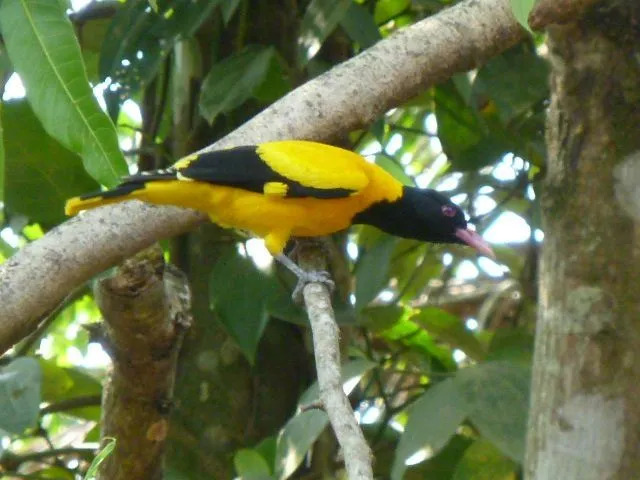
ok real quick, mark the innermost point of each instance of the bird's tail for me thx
(132, 187)
(96, 199)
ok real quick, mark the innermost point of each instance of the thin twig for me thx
(357, 454)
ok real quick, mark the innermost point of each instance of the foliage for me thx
(438, 342)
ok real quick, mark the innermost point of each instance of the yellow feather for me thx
(316, 164)
(275, 188)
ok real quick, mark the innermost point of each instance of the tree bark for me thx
(146, 310)
(585, 417)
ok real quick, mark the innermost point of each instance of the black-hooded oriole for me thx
(281, 189)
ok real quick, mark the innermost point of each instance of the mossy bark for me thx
(585, 416)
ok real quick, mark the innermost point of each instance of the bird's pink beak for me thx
(475, 240)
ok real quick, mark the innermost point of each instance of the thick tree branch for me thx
(326, 346)
(350, 95)
(146, 310)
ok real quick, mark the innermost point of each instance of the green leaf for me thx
(44, 51)
(250, 464)
(296, 439)
(276, 83)
(360, 26)
(92, 471)
(371, 270)
(55, 473)
(500, 395)
(320, 19)
(351, 372)
(19, 394)
(521, 10)
(234, 80)
(458, 126)
(449, 328)
(433, 420)
(381, 318)
(240, 295)
(43, 173)
(397, 326)
(470, 139)
(137, 28)
(514, 345)
(496, 79)
(395, 169)
(62, 383)
(387, 9)
(483, 461)
(267, 449)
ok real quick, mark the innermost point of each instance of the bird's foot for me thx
(305, 277)
(314, 276)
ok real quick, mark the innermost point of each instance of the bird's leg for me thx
(305, 277)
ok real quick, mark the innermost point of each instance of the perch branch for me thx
(326, 346)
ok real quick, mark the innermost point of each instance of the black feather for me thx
(242, 167)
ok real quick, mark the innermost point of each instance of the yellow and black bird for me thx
(281, 189)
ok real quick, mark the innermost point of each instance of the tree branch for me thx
(146, 311)
(326, 346)
(348, 96)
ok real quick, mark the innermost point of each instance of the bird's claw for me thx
(314, 276)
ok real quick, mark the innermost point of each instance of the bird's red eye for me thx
(449, 211)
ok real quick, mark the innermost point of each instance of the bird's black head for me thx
(426, 215)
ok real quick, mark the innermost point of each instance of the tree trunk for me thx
(585, 415)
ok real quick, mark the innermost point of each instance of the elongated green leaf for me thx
(371, 271)
(433, 420)
(19, 394)
(320, 19)
(45, 52)
(234, 80)
(43, 174)
(296, 439)
(521, 10)
(102, 455)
